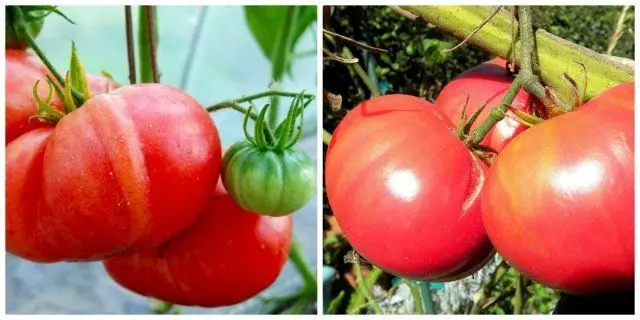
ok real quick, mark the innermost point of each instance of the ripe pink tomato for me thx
(405, 190)
(126, 171)
(487, 82)
(227, 256)
(558, 201)
(21, 73)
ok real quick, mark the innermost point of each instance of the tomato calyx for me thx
(75, 82)
(286, 135)
(44, 109)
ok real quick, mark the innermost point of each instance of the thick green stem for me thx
(310, 287)
(23, 33)
(365, 290)
(235, 104)
(556, 56)
(528, 62)
(496, 114)
(416, 295)
(147, 42)
(427, 298)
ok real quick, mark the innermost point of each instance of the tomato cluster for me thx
(556, 203)
(129, 177)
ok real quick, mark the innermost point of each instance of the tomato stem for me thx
(518, 302)
(235, 105)
(22, 30)
(556, 56)
(310, 285)
(147, 42)
(497, 113)
(365, 290)
(130, 47)
(525, 79)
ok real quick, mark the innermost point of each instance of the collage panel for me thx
(478, 160)
(161, 159)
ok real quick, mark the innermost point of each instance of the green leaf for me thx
(37, 13)
(267, 23)
(77, 75)
(358, 297)
(335, 303)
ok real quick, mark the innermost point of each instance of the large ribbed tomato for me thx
(126, 171)
(558, 201)
(21, 73)
(487, 82)
(405, 190)
(227, 256)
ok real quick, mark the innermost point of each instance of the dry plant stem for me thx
(193, 45)
(130, 47)
(495, 11)
(151, 27)
(615, 36)
(354, 42)
(365, 290)
(335, 57)
(404, 13)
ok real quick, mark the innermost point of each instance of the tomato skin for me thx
(487, 82)
(228, 255)
(558, 201)
(269, 182)
(126, 171)
(21, 73)
(405, 190)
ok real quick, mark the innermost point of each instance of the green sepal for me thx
(68, 102)
(463, 118)
(298, 136)
(474, 117)
(259, 136)
(58, 89)
(288, 124)
(527, 119)
(245, 121)
(78, 77)
(44, 110)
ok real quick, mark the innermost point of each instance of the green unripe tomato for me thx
(267, 181)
